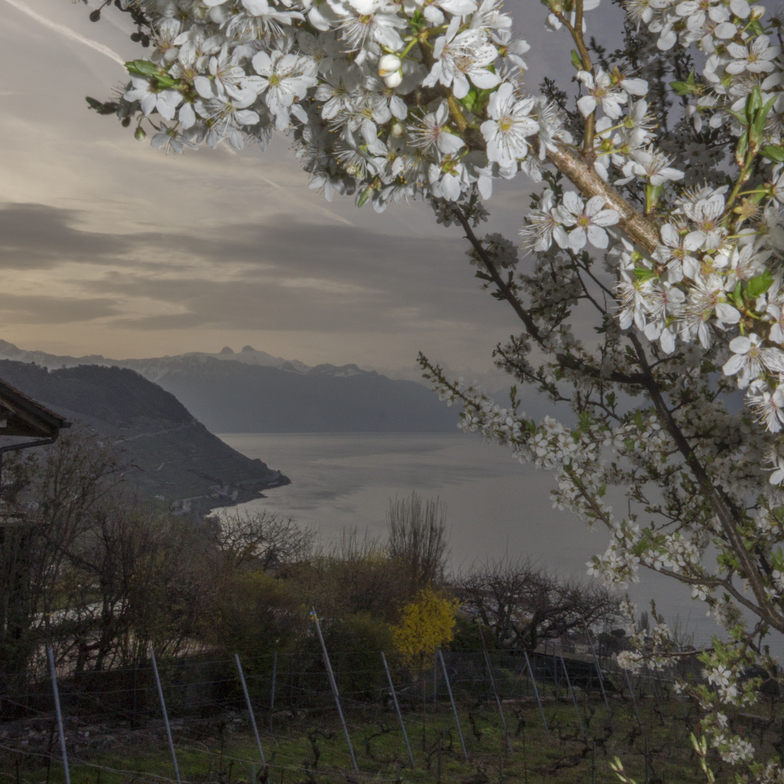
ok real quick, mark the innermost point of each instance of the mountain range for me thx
(254, 392)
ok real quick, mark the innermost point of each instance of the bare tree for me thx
(261, 540)
(418, 538)
(53, 495)
(137, 577)
(353, 575)
(523, 604)
(115, 574)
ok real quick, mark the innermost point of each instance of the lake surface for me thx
(495, 506)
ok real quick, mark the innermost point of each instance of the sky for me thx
(111, 247)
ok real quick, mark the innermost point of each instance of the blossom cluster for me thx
(388, 101)
(345, 78)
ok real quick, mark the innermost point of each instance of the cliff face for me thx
(168, 453)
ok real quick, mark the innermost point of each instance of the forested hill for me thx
(168, 453)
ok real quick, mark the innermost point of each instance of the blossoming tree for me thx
(657, 223)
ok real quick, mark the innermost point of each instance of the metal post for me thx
(250, 708)
(571, 691)
(654, 682)
(135, 680)
(495, 690)
(274, 677)
(61, 729)
(435, 675)
(165, 715)
(634, 701)
(334, 685)
(536, 692)
(452, 700)
(397, 708)
(601, 678)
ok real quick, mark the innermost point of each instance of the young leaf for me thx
(142, 68)
(773, 153)
(758, 285)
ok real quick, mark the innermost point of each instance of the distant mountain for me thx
(254, 392)
(168, 453)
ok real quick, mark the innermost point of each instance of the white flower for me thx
(654, 166)
(460, 56)
(706, 210)
(165, 102)
(755, 59)
(431, 134)
(169, 139)
(749, 358)
(589, 220)
(538, 233)
(388, 64)
(506, 133)
(777, 477)
(676, 250)
(600, 90)
(282, 79)
(370, 21)
(768, 405)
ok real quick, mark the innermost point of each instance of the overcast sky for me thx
(111, 247)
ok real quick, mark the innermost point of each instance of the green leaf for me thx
(753, 104)
(166, 81)
(773, 153)
(364, 196)
(576, 61)
(737, 296)
(686, 88)
(743, 146)
(142, 68)
(739, 117)
(644, 273)
(470, 99)
(681, 88)
(762, 115)
(758, 285)
(418, 20)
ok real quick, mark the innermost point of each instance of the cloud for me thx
(26, 309)
(66, 32)
(35, 236)
(282, 275)
(246, 276)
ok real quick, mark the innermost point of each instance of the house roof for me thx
(22, 416)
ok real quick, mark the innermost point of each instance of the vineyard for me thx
(467, 717)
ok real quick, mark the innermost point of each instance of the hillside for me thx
(254, 392)
(170, 454)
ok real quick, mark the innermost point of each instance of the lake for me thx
(495, 506)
